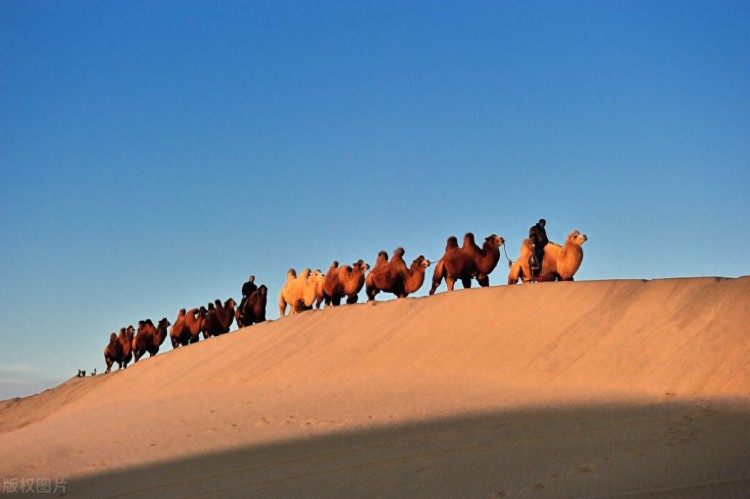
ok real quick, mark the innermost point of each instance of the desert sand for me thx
(600, 388)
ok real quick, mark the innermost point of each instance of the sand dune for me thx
(554, 389)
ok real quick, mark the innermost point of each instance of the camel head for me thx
(164, 323)
(131, 331)
(263, 290)
(202, 312)
(577, 238)
(361, 265)
(420, 261)
(494, 241)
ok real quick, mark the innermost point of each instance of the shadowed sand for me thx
(548, 390)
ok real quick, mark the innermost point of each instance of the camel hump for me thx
(399, 252)
(383, 255)
(335, 264)
(112, 337)
(182, 312)
(469, 239)
(451, 243)
(291, 273)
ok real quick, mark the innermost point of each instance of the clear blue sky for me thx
(153, 154)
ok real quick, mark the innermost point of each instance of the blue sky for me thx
(156, 153)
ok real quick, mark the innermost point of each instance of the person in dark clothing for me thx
(538, 240)
(247, 290)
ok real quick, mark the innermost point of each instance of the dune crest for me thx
(378, 364)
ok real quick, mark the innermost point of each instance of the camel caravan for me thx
(540, 260)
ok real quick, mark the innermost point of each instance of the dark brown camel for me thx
(126, 340)
(394, 276)
(218, 319)
(345, 281)
(254, 309)
(467, 262)
(149, 338)
(119, 349)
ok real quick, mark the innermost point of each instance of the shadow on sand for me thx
(686, 449)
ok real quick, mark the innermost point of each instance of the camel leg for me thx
(282, 307)
(352, 299)
(483, 280)
(371, 292)
(450, 282)
(466, 281)
(437, 277)
(336, 301)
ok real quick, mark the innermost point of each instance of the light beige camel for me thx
(560, 263)
(299, 292)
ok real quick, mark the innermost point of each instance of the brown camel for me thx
(149, 338)
(178, 330)
(119, 349)
(112, 352)
(219, 318)
(299, 292)
(394, 276)
(560, 263)
(254, 309)
(344, 281)
(187, 326)
(126, 340)
(467, 262)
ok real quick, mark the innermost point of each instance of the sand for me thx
(601, 388)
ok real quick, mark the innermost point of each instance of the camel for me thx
(299, 292)
(219, 318)
(560, 263)
(394, 276)
(467, 262)
(112, 353)
(178, 329)
(187, 327)
(254, 309)
(149, 338)
(344, 281)
(119, 349)
(126, 340)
